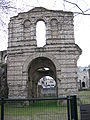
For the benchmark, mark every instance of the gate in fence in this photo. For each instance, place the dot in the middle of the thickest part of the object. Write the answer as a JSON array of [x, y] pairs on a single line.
[[39, 109]]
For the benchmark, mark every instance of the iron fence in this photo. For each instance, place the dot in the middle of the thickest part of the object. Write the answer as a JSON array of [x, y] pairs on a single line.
[[39, 109], [83, 103]]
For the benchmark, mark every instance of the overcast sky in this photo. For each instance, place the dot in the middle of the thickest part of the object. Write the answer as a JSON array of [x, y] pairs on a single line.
[[81, 22]]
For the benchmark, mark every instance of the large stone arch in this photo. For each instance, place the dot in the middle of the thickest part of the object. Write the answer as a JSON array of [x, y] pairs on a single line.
[[33, 76], [35, 55]]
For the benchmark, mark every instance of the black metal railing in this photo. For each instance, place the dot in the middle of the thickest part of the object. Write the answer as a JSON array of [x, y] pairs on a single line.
[[83, 103], [39, 109]]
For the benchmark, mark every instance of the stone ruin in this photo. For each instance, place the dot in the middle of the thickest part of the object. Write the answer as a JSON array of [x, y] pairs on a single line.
[[3, 74], [27, 63]]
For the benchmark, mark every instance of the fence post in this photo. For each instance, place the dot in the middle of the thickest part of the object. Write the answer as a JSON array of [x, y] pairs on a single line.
[[74, 112], [68, 107], [2, 108]]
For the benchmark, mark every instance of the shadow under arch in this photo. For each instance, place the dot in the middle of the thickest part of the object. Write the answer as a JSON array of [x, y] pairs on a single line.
[[35, 68]]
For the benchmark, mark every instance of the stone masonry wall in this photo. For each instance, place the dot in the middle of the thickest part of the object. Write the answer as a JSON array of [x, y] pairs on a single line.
[[60, 48]]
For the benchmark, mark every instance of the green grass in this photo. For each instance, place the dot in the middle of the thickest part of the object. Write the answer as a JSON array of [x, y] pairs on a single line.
[[42, 110], [45, 106], [84, 97], [34, 108], [84, 93]]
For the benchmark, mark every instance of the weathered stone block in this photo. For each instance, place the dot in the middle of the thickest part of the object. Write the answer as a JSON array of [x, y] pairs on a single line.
[[25, 59]]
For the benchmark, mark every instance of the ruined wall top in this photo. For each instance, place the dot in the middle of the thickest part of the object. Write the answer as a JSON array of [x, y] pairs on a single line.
[[59, 25], [40, 12], [22, 29]]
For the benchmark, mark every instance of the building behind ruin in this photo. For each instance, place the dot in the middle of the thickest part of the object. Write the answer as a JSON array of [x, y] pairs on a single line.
[[83, 77], [27, 62]]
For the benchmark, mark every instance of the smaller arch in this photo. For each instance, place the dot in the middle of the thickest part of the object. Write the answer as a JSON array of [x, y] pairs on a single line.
[[27, 29], [40, 33], [4, 56], [5, 59], [46, 87], [54, 27], [27, 23], [54, 22]]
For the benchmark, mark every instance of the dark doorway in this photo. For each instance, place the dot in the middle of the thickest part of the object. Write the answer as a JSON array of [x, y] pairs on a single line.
[[83, 84]]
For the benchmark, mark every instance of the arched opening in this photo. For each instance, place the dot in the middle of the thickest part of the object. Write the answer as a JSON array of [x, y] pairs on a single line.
[[40, 68], [54, 28], [5, 59], [27, 30], [41, 33], [83, 84], [46, 87]]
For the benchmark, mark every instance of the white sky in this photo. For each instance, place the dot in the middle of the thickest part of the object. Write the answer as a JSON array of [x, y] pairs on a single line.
[[81, 22]]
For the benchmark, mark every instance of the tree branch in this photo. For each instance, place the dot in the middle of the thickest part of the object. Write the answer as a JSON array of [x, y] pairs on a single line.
[[75, 5], [81, 13]]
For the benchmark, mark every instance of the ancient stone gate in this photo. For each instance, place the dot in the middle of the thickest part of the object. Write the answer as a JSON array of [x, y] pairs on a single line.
[[27, 62]]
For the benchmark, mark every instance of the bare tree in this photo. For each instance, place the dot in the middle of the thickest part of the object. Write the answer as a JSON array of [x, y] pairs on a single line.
[[6, 6], [83, 12]]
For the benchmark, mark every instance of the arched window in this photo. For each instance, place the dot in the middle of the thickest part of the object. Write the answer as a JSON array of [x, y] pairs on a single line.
[[83, 84], [5, 59], [27, 29], [40, 33], [26, 24], [54, 28]]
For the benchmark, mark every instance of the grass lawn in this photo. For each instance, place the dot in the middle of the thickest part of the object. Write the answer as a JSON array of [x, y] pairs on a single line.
[[42, 109], [84, 96], [45, 106], [34, 108]]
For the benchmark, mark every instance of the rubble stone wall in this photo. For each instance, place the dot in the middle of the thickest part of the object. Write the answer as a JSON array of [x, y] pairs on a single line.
[[60, 48]]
